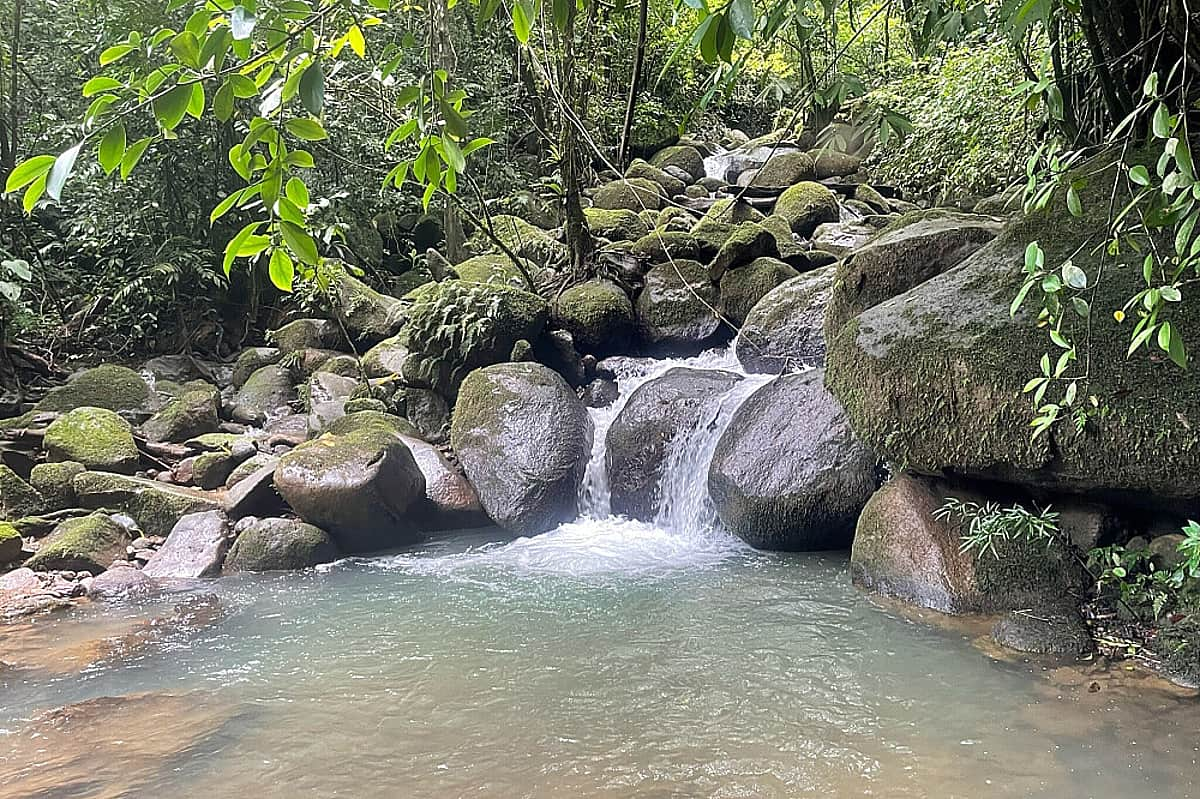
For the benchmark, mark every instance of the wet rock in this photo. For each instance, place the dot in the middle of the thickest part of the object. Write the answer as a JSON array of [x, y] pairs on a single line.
[[683, 156], [11, 543], [842, 238], [301, 334], [89, 542], [747, 242], [250, 361], [671, 184], [677, 307], [53, 482], [326, 394], [429, 413], [210, 470], [832, 164], [615, 225], [806, 205], [386, 358], [784, 169], [121, 582], [254, 492], [524, 439], [368, 316], [1057, 631], [788, 474], [601, 393], [598, 315], [785, 329], [266, 393], [629, 194], [193, 412], [95, 437], [17, 497], [639, 439], [660, 246], [154, 505], [721, 219], [742, 288], [114, 388], [266, 545]]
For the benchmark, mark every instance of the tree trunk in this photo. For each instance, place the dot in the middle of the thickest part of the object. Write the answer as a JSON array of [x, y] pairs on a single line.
[[11, 128], [442, 55], [635, 82], [579, 239]]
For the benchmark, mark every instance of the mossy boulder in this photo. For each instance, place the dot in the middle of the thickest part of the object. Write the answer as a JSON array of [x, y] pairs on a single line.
[[250, 360], [660, 246], [525, 240], [1059, 631], [53, 482], [790, 249], [358, 486], [618, 225], [788, 473], [17, 497], [386, 358], [640, 437], [670, 184], [114, 388], [747, 242], [301, 334], [652, 131], [677, 307], [785, 329], [155, 506], [455, 327], [368, 315], [88, 543], [266, 545], [871, 196], [193, 412], [11, 543], [906, 253], [268, 392], [904, 551], [933, 378], [720, 220], [806, 205], [524, 439], [599, 316], [744, 287], [785, 169], [96, 437], [493, 268], [832, 164], [682, 156], [629, 194]]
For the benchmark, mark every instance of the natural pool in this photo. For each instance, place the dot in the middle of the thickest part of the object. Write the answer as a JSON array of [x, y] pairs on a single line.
[[603, 659]]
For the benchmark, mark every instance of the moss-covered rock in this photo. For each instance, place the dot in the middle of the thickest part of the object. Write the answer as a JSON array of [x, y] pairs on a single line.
[[903, 255], [17, 497], [493, 268], [155, 506], [210, 470], [386, 358], [785, 329], [677, 307], [267, 545], [933, 378], [96, 437], [747, 242], [790, 250], [806, 205], [114, 388], [618, 225], [268, 392], [670, 184], [630, 194], [598, 315], [192, 412], [719, 221], [742, 288], [368, 315], [832, 164], [674, 218], [87, 543], [660, 246], [250, 360], [683, 156], [300, 334], [524, 439], [523, 239], [11, 543], [876, 201], [53, 482], [785, 169]]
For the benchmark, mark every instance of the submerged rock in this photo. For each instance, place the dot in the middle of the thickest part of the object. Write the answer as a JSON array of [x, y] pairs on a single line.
[[788, 474], [524, 439], [95, 437], [121, 582], [266, 545], [86, 543], [640, 438], [785, 329]]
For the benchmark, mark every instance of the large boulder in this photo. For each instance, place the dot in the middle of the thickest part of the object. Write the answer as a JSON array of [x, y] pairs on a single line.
[[670, 184], [308, 334], [267, 393], [494, 268], [369, 317], [832, 164], [806, 205], [195, 548], [357, 485], [598, 315], [788, 474], [639, 439], [265, 545], [114, 388], [192, 412], [155, 506], [88, 543], [629, 194], [615, 225], [17, 497], [784, 169], [53, 482], [904, 549], [745, 243], [660, 246], [720, 220], [785, 328], [250, 360], [933, 378], [524, 239], [677, 307], [524, 439], [385, 359], [683, 156], [743, 287], [903, 255], [96, 437]]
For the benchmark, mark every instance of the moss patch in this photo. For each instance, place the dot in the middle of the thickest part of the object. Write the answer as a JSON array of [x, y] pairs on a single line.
[[90, 542], [806, 205], [107, 386], [598, 314]]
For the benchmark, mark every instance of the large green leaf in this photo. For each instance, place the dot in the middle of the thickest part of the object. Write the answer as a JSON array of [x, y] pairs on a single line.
[[112, 149], [28, 171], [171, 107], [312, 88]]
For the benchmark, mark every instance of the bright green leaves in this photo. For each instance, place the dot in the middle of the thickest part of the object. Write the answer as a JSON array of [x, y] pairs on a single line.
[[312, 88], [524, 12], [306, 129], [132, 156], [300, 242], [171, 106], [101, 83], [28, 171], [115, 53], [282, 270], [112, 148]]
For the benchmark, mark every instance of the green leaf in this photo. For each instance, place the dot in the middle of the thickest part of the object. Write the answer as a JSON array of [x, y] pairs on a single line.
[[1162, 124], [132, 156], [301, 159], [243, 87], [1176, 350], [195, 107], [297, 192], [1034, 258], [300, 242], [235, 244], [171, 107], [112, 149], [186, 48], [101, 83], [63, 166], [312, 88], [282, 270], [454, 156], [115, 53], [1170, 294], [306, 129], [1140, 175], [1074, 277], [354, 37], [33, 193], [28, 171], [476, 144], [523, 13], [224, 206], [1020, 298], [1073, 203], [223, 102]]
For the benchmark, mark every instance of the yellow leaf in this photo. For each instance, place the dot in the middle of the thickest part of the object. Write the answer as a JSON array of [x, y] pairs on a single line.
[[1119, 315], [354, 37]]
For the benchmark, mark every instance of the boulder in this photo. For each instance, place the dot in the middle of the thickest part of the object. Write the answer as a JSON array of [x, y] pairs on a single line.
[[615, 225], [193, 412], [114, 388], [17, 497], [720, 220], [524, 239], [121, 582], [746, 242], [787, 473], [785, 329], [670, 184], [742, 288], [85, 543], [842, 238], [154, 505], [903, 550], [640, 437], [386, 358], [832, 164], [96, 437], [785, 169], [629, 194], [494, 268], [253, 492], [302, 334], [210, 470], [1058, 631], [933, 378], [195, 548], [660, 246], [598, 315], [451, 501], [265, 545], [53, 482], [677, 307], [806, 205], [683, 156], [369, 317], [11, 543], [267, 393], [524, 439], [358, 486], [250, 361], [906, 253], [428, 412]]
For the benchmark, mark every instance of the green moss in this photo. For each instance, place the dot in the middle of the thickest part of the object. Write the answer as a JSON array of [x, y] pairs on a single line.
[[89, 542], [680, 155], [18, 497], [806, 205], [615, 225], [671, 185], [279, 545], [718, 222], [524, 239], [633, 194], [11, 543], [492, 269], [746, 242], [107, 386], [250, 361], [53, 482], [95, 437], [785, 169], [155, 506], [368, 315], [660, 246], [191, 413], [376, 421], [598, 314], [301, 334], [742, 288]]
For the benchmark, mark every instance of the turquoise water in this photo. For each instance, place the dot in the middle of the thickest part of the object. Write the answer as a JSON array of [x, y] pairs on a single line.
[[605, 659]]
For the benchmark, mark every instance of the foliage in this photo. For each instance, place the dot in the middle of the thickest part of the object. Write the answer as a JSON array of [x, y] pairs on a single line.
[[989, 524], [1141, 588]]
